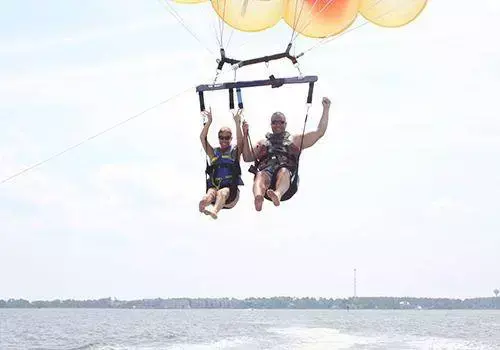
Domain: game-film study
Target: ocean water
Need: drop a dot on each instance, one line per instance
(115, 329)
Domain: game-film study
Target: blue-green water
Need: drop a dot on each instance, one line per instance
(111, 329)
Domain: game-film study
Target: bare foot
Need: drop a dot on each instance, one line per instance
(203, 203)
(258, 202)
(211, 213)
(274, 197)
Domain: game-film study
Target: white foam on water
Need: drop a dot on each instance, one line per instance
(447, 344)
(303, 338)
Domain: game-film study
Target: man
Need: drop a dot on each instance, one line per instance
(276, 157)
(224, 170)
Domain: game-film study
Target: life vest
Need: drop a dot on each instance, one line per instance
(279, 150)
(224, 170)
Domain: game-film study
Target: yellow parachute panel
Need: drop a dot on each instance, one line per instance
(189, 1)
(249, 15)
(391, 13)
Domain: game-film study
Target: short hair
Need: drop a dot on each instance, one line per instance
(225, 129)
(278, 114)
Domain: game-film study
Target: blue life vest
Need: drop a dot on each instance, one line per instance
(224, 167)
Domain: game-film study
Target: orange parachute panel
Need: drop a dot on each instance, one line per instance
(320, 18)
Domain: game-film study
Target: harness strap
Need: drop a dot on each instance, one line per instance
(235, 171)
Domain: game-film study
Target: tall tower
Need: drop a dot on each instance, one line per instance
(354, 283)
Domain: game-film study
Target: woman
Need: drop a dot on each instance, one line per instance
(224, 170)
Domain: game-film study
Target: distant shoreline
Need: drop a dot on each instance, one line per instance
(365, 303)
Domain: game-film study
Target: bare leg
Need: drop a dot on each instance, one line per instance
(222, 196)
(260, 185)
(282, 185)
(207, 199)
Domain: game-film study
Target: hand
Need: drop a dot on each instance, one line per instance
(237, 116)
(245, 129)
(208, 115)
(326, 102)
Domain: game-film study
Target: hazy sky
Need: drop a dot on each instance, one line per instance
(404, 186)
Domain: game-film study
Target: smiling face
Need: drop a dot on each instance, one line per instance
(278, 122)
(225, 138)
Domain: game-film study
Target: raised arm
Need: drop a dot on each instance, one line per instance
(239, 134)
(310, 138)
(204, 132)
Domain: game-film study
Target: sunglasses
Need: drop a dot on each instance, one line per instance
(226, 138)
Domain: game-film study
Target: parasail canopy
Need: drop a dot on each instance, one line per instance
(313, 18)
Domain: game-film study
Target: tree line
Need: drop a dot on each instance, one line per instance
(263, 303)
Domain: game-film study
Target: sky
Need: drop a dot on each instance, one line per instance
(403, 186)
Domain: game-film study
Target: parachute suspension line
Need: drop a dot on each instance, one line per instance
(308, 106)
(236, 64)
(219, 22)
(219, 44)
(222, 23)
(178, 17)
(296, 18)
(230, 37)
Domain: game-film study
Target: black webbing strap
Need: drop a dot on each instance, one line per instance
(231, 99)
(310, 92)
(202, 101)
